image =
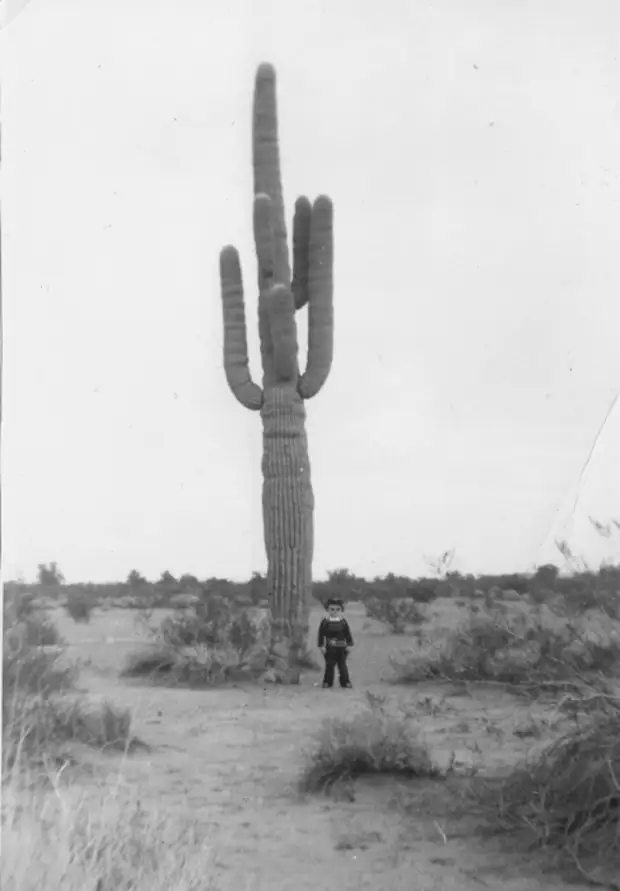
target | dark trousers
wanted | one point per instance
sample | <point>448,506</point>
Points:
<point>336,656</point>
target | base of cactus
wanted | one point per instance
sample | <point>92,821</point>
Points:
<point>286,676</point>
<point>287,654</point>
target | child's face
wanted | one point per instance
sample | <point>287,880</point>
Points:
<point>335,611</point>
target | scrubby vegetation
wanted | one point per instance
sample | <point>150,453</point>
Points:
<point>139,593</point>
<point>549,636</point>
<point>106,842</point>
<point>397,613</point>
<point>206,642</point>
<point>42,712</point>
<point>553,638</point>
<point>373,741</point>
<point>577,591</point>
<point>61,840</point>
<point>565,799</point>
<point>530,648</point>
<point>78,605</point>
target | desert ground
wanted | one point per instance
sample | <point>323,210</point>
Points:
<point>229,759</point>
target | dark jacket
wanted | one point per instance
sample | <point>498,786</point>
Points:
<point>335,633</point>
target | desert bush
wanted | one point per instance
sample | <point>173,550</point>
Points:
<point>510,596</point>
<point>79,605</point>
<point>28,625</point>
<point>349,587</point>
<point>566,798</point>
<point>373,741</point>
<point>215,622</point>
<point>34,671</point>
<point>40,714</point>
<point>105,841</point>
<point>209,643</point>
<point>577,601</point>
<point>23,607</point>
<point>184,601</point>
<point>37,728</point>
<point>398,613</point>
<point>392,586</point>
<point>31,651</point>
<point>204,645</point>
<point>197,665</point>
<point>49,575</point>
<point>518,648</point>
<point>425,594</point>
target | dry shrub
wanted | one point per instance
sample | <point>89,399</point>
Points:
<point>373,741</point>
<point>79,604</point>
<point>26,624</point>
<point>193,666</point>
<point>577,601</point>
<point>398,613</point>
<point>566,799</point>
<point>32,672</point>
<point>215,622</point>
<point>204,644</point>
<point>33,669</point>
<point>521,648</point>
<point>209,642</point>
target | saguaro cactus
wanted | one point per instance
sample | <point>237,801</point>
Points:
<point>288,500</point>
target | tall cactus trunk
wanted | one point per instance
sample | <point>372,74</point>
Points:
<point>288,502</point>
<point>288,506</point>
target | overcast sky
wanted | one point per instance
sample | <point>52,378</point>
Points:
<point>472,151</point>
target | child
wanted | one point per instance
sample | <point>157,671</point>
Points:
<point>334,638</point>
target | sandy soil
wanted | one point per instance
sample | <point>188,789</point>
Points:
<point>230,758</point>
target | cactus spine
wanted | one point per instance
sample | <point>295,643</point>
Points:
<point>288,501</point>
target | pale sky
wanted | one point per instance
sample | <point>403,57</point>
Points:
<point>472,151</point>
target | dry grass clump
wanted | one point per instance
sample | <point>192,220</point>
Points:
<point>100,842</point>
<point>37,728</point>
<point>371,742</point>
<point>525,648</point>
<point>61,840</point>
<point>34,669</point>
<point>41,714</point>
<point>566,799</point>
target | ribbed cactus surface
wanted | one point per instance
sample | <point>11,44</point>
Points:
<point>288,501</point>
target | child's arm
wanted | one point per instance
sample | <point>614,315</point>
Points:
<point>348,635</point>
<point>321,641</point>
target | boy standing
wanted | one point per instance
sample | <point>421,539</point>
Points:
<point>334,638</point>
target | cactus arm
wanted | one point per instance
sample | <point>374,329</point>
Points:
<point>320,300</point>
<point>277,307</point>
<point>266,158</point>
<point>264,241</point>
<point>301,247</point>
<point>281,308</point>
<point>236,364</point>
